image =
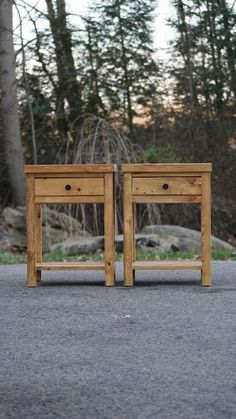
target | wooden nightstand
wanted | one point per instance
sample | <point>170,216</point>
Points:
<point>166,183</point>
<point>87,183</point>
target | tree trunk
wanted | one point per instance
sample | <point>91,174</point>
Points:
<point>125,69</point>
<point>68,86</point>
<point>187,53</point>
<point>10,122</point>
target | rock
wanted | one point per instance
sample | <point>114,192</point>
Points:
<point>56,227</point>
<point>15,218</point>
<point>79,246</point>
<point>184,238</point>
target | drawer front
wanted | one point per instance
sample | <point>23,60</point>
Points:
<point>69,186</point>
<point>166,186</point>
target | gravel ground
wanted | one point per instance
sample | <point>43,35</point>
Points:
<point>72,348</point>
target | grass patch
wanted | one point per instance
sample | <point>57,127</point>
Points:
<point>9,258</point>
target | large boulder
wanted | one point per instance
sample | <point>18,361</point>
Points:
<point>56,227</point>
<point>153,239</point>
<point>185,239</point>
<point>79,247</point>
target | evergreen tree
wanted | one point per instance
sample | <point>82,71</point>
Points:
<point>126,70</point>
<point>205,45</point>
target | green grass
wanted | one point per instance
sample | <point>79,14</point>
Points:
<point>8,258</point>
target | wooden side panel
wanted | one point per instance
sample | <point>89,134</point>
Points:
<point>69,186</point>
<point>128,230</point>
<point>31,231</point>
<point>206,230</point>
<point>167,186</point>
<point>109,231</point>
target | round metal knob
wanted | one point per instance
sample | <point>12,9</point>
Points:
<point>165,186</point>
<point>68,187</point>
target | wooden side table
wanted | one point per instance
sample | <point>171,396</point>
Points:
<point>87,183</point>
<point>166,183</point>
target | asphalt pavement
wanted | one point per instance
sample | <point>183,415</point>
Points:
<point>72,348</point>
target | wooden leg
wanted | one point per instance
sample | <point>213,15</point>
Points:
<point>38,237</point>
<point>31,230</point>
<point>109,231</point>
<point>134,239</point>
<point>206,230</point>
<point>128,230</point>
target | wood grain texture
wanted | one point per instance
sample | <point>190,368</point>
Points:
<point>134,239</point>
<point>38,237</point>
<point>89,184</point>
<point>109,230</point>
<point>167,265</point>
<point>206,230</point>
<point>51,266</point>
<point>31,231</point>
<point>57,186</point>
<point>69,168</point>
<point>69,199</point>
<point>187,183</point>
<point>163,167</point>
<point>128,229</point>
<point>166,199</point>
<point>176,186</point>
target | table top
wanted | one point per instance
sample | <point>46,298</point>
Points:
<point>167,167</point>
<point>69,168</point>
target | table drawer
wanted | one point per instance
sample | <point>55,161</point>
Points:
<point>69,186</point>
<point>166,186</point>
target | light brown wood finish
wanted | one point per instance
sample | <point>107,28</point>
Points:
<point>174,186</point>
<point>89,184</point>
<point>38,237</point>
<point>70,199</point>
<point>78,187</point>
<point>166,199</point>
<point>109,231</point>
<point>187,183</point>
<point>51,266</point>
<point>166,265</point>
<point>134,239</point>
<point>206,230</point>
<point>31,232</point>
<point>69,168</point>
<point>128,230</point>
<point>163,168</point>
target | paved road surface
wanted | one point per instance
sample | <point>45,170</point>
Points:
<point>74,349</point>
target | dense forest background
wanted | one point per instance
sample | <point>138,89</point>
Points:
<point>97,92</point>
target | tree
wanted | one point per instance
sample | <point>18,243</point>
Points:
<point>68,87</point>
<point>205,44</point>
<point>127,69</point>
<point>8,107</point>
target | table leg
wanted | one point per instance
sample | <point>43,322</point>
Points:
<point>134,239</point>
<point>109,230</point>
<point>38,237</point>
<point>128,230</point>
<point>206,230</point>
<point>31,232</point>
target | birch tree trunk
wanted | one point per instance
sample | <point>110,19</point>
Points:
<point>8,105</point>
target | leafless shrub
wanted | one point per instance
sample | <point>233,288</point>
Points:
<point>93,140</point>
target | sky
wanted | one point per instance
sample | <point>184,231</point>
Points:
<point>162,32</point>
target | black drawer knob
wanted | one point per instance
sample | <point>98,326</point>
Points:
<point>68,187</point>
<point>165,186</point>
